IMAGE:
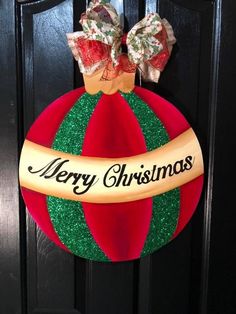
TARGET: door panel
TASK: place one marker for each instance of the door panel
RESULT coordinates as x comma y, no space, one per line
186,276
10,232
47,73
43,28
173,273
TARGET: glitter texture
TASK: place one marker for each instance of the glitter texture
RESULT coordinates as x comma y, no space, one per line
67,216
165,206
70,136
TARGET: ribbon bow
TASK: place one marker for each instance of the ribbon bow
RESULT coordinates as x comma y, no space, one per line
149,43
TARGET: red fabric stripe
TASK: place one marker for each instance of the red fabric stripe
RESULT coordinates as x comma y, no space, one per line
119,229
175,123
43,132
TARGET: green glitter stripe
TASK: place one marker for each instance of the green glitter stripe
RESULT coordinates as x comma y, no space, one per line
70,136
68,216
165,206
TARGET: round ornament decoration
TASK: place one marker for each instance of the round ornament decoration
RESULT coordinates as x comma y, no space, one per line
118,172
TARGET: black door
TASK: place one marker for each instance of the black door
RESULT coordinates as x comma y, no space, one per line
195,273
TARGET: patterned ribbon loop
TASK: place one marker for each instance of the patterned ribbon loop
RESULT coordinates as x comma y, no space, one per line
155,61
101,22
149,43
141,41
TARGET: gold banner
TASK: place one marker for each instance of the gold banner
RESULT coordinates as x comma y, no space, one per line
110,180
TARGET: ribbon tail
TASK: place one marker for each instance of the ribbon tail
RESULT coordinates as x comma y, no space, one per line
171,40
149,73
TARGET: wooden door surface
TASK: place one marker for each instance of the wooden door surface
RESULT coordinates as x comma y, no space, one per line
195,273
